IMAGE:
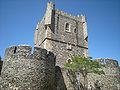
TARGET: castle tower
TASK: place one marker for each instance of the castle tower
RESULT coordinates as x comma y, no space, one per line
61,33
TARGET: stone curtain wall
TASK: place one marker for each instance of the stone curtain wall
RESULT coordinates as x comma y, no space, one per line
111,79
112,74
23,70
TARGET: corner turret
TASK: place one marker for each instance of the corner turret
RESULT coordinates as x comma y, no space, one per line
49,13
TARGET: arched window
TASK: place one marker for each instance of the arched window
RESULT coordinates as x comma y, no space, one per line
67,27
75,31
69,60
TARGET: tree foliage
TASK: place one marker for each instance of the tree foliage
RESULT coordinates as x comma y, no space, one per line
84,66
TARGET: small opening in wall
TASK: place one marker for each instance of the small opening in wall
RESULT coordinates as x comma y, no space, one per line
86,38
67,27
75,31
69,47
69,60
15,50
45,27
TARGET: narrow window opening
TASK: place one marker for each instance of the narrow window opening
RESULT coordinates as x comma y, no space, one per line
45,27
75,31
67,27
15,50
69,47
69,60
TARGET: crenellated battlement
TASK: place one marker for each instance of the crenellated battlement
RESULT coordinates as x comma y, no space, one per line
77,18
58,36
43,53
26,52
28,68
18,52
108,62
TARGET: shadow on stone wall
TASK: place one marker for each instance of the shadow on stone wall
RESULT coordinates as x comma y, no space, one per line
60,84
1,62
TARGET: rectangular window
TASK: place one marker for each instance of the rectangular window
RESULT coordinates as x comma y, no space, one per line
69,47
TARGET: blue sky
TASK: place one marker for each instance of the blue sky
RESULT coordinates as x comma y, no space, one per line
18,19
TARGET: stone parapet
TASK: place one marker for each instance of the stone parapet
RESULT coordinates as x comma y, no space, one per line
108,62
77,18
23,70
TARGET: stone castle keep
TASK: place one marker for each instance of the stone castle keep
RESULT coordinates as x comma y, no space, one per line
62,34
57,37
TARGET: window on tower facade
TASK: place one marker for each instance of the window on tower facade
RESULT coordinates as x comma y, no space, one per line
69,47
69,60
67,27
75,31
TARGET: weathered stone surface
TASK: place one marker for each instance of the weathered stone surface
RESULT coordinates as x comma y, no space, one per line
56,39
109,81
52,35
43,70
23,70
